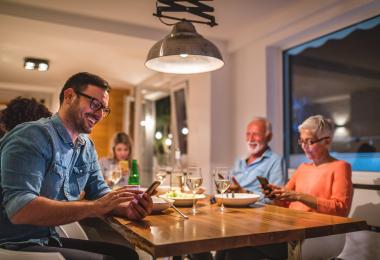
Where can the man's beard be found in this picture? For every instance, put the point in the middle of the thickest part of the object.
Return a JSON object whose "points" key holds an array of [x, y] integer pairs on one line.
{"points": [[77, 122], [258, 147]]}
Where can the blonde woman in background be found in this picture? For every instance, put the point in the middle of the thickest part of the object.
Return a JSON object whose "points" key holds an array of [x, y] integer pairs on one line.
{"points": [[121, 150]]}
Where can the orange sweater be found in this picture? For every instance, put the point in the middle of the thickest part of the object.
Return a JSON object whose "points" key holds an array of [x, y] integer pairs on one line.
{"points": [[330, 183]]}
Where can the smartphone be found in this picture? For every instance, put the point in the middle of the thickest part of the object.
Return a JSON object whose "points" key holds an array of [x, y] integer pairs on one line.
{"points": [[152, 187], [264, 183]]}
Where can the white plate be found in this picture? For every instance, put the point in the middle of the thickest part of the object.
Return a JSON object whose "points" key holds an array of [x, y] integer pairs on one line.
{"points": [[184, 202], [239, 200], [160, 204]]}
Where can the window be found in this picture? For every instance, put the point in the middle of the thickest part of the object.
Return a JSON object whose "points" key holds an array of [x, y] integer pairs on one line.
{"points": [[338, 76]]}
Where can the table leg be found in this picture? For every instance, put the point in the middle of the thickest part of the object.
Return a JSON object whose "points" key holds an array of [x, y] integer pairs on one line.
{"points": [[294, 250]]}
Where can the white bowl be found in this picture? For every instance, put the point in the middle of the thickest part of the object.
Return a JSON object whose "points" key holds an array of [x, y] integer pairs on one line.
{"points": [[162, 189], [184, 201], [160, 204], [239, 199]]}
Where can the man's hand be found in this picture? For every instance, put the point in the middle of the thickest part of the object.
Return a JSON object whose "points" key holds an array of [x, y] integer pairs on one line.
{"points": [[112, 199], [235, 186], [137, 209]]}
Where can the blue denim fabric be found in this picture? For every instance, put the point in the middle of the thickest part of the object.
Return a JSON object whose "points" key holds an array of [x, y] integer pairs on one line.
{"points": [[40, 159], [269, 165]]}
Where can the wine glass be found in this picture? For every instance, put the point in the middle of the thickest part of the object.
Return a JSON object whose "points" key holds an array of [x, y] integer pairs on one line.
{"points": [[113, 175], [222, 178], [161, 174], [193, 181]]}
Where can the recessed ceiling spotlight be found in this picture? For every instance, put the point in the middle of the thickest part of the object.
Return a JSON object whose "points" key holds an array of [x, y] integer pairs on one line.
{"points": [[36, 64]]}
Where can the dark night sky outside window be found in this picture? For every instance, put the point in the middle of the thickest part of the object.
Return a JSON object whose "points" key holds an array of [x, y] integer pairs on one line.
{"points": [[338, 76]]}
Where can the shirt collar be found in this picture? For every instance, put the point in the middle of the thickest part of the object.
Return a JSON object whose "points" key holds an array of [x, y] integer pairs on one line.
{"points": [[63, 133], [266, 154]]}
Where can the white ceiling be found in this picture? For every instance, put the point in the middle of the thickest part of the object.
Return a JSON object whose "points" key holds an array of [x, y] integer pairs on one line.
{"points": [[110, 38]]}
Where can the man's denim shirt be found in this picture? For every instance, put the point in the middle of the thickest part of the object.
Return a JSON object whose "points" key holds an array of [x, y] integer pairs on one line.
{"points": [[269, 165], [40, 159]]}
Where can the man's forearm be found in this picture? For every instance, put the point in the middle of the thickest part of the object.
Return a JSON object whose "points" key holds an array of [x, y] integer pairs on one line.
{"points": [[45, 212]]}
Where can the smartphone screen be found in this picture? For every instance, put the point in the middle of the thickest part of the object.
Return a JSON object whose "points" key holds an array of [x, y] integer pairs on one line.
{"points": [[152, 187]]}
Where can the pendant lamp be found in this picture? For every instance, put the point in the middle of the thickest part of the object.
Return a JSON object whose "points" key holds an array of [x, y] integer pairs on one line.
{"points": [[184, 51]]}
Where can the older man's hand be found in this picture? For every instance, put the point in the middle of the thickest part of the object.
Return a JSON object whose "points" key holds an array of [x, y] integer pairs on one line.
{"points": [[235, 187]]}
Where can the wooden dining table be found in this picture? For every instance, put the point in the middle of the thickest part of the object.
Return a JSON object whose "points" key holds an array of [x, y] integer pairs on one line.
{"points": [[169, 234]]}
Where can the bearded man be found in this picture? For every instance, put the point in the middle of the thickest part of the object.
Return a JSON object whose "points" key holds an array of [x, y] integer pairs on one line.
{"points": [[261, 161], [47, 164]]}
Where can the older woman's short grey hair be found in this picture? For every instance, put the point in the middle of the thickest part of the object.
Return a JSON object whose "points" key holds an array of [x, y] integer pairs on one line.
{"points": [[319, 125]]}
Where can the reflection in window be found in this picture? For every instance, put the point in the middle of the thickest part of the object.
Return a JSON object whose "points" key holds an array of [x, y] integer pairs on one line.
{"points": [[337, 76]]}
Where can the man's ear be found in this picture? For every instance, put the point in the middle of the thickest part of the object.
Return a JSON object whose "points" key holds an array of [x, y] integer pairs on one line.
{"points": [[68, 95], [269, 137]]}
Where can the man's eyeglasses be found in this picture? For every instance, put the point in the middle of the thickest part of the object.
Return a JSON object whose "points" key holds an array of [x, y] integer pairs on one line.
{"points": [[95, 104], [310, 142]]}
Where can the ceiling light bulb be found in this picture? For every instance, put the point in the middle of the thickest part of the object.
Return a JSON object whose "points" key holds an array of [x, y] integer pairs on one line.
{"points": [[184, 55], [29, 65], [43, 67]]}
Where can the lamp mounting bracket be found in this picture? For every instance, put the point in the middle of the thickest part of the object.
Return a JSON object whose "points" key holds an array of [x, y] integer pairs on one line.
{"points": [[198, 9]]}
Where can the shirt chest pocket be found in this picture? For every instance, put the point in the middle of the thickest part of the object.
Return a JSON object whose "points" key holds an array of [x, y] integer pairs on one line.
{"points": [[53, 181], [79, 178]]}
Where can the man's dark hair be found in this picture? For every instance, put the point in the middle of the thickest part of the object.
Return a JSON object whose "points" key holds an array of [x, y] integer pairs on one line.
{"points": [[80, 81], [20, 110]]}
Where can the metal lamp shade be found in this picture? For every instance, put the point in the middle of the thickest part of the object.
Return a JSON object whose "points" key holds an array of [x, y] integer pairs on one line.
{"points": [[184, 51]]}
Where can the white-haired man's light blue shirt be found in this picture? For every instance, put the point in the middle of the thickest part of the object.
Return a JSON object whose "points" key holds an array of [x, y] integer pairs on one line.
{"points": [[270, 165]]}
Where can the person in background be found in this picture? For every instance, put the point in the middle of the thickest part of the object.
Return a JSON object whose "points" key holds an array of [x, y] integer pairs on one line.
{"points": [[44, 167], [261, 161], [121, 150], [20, 110], [323, 185]]}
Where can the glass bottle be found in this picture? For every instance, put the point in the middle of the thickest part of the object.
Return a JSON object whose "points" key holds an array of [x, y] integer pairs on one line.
{"points": [[178, 176], [134, 177]]}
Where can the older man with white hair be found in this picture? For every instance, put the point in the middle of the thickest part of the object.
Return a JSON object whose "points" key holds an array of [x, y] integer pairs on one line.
{"points": [[261, 161]]}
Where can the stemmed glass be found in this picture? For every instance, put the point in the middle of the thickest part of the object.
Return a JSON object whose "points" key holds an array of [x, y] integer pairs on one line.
{"points": [[222, 178], [161, 174], [193, 181], [113, 175]]}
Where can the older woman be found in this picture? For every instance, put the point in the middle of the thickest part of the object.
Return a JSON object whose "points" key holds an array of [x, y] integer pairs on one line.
{"points": [[323, 185]]}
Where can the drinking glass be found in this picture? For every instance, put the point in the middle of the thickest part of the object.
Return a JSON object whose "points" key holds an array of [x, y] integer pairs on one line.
{"points": [[113, 175], [193, 181], [161, 174], [222, 178]]}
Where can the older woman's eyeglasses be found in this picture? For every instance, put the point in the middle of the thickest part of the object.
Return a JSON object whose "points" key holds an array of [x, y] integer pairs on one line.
{"points": [[310, 142], [95, 104]]}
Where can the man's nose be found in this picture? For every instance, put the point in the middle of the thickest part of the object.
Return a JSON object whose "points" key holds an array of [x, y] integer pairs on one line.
{"points": [[250, 137]]}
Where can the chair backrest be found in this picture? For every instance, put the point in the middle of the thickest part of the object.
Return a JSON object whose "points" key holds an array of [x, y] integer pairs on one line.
{"points": [[20, 255], [364, 244], [72, 230]]}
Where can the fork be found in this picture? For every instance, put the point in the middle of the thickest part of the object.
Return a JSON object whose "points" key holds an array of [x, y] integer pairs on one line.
{"points": [[176, 209]]}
